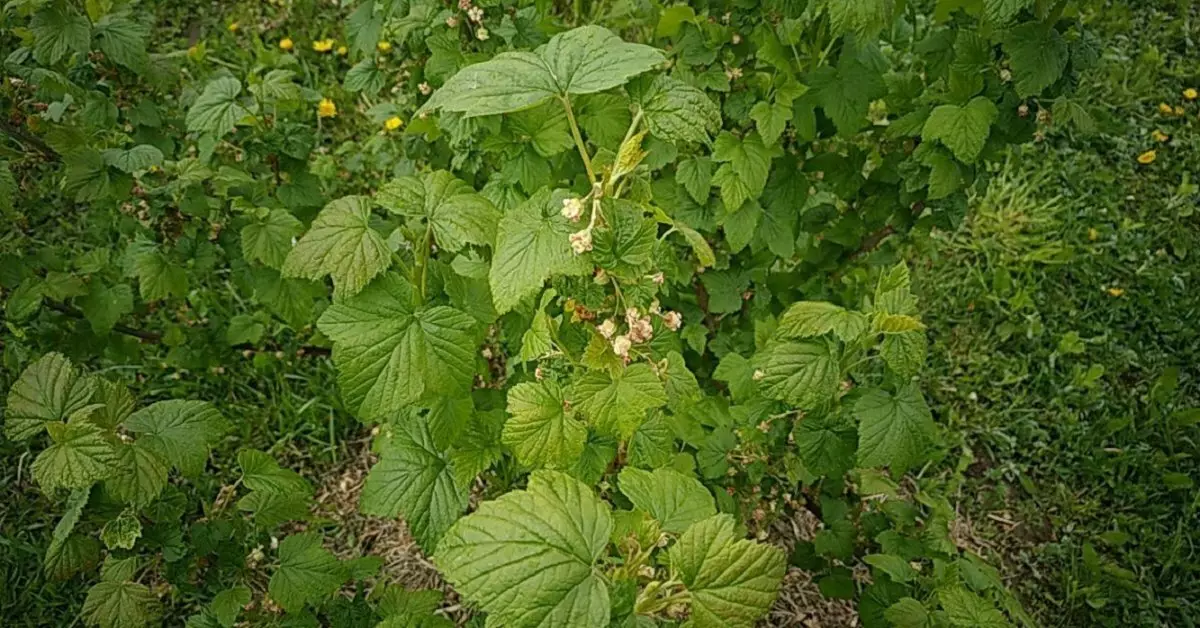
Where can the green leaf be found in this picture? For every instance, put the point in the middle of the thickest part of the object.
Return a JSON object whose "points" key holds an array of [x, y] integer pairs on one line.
{"points": [[80, 456], [826, 444], [62, 557], [159, 277], [541, 431], [804, 374], [74, 554], [532, 244], [964, 130], [86, 176], [8, 188], [414, 479], [964, 608], [583, 60], [864, 18], [908, 613], [806, 319], [945, 176], [228, 604], [390, 354], [365, 77], [269, 238], [677, 112], [140, 475], [770, 119], [845, 93], [617, 403], [120, 605], [276, 87], [732, 581], [139, 157], [179, 431], [457, 215], [261, 472], [894, 430], [49, 390], [307, 572], [123, 40], [57, 33], [121, 532], [104, 305], [217, 111], [530, 558], [894, 566], [341, 244], [1003, 11], [675, 500], [1038, 55], [695, 174], [748, 164], [626, 247]]}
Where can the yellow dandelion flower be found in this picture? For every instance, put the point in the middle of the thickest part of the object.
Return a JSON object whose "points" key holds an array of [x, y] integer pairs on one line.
{"points": [[326, 109], [384, 46], [1093, 235], [1191, 93], [1147, 157], [342, 51], [1179, 110], [393, 123], [322, 45], [233, 27], [1159, 136], [1115, 292], [286, 43], [1165, 109]]}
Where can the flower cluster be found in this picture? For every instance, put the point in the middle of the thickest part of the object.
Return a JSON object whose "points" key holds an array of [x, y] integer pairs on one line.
{"points": [[641, 329]]}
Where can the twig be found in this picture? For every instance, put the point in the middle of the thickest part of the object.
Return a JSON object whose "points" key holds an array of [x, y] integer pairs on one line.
{"points": [[21, 136]]}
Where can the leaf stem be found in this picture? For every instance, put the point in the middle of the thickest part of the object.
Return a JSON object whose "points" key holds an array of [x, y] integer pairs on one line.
{"points": [[422, 260], [583, 153]]}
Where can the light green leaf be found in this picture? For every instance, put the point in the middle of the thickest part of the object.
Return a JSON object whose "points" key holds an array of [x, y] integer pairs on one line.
{"points": [[674, 500], [530, 558], [945, 176], [964, 608], [806, 319], [617, 403], [583, 60], [904, 353], [457, 215], [159, 277], [1038, 56], [390, 354], [112, 604], [626, 247], [414, 479], [49, 390], [122, 531], [804, 374], [749, 163], [894, 566], [677, 112], [57, 33], [307, 572], [770, 119], [341, 244], [217, 111], [732, 581], [964, 130], [365, 77], [864, 18], [139, 157], [894, 430], [532, 244], [541, 431], [140, 475], [261, 472], [907, 613], [80, 456], [276, 87], [269, 238], [179, 431], [695, 174]]}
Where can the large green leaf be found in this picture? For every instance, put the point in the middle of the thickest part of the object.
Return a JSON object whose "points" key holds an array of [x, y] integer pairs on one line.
{"points": [[583, 60], [532, 244], [268, 239], [530, 558], [343, 245], [675, 500], [140, 476], [732, 581], [48, 390], [133, 159], [864, 18], [745, 165], [816, 318], [390, 353], [179, 431], [964, 130], [111, 604], [675, 111], [457, 215], [414, 479], [307, 572], [804, 374], [1039, 55], [57, 32], [894, 430], [541, 431], [217, 110], [123, 40], [616, 403], [80, 455], [826, 444], [964, 608]]}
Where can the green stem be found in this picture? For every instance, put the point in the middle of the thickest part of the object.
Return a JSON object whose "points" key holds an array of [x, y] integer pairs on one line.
{"points": [[422, 259], [587, 161]]}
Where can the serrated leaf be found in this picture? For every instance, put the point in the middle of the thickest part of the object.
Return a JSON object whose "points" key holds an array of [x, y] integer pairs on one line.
{"points": [[616, 404], [530, 558], [80, 456], [907, 613], [770, 119], [261, 472], [456, 213], [74, 554], [158, 276], [964, 130], [700, 246], [277, 86], [816, 318], [826, 444], [48, 390], [674, 500], [747, 165], [140, 475], [123, 39], [307, 572], [139, 157], [365, 77], [121, 532], [104, 305], [217, 110], [677, 112], [532, 244], [804, 374], [342, 244], [626, 247], [57, 33], [904, 353], [583, 60], [120, 605], [844, 93], [179, 431], [1003, 11], [964, 608], [540, 431], [732, 581], [1038, 55], [896, 430], [415, 480], [269, 238], [695, 174], [390, 354]]}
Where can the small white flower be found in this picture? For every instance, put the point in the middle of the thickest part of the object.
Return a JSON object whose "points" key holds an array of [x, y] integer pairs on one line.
{"points": [[658, 278], [673, 320], [538, 374], [758, 375], [425, 89], [475, 14], [607, 329], [1006, 75], [572, 209], [452, 21], [641, 331], [481, 34], [581, 241], [1023, 111], [736, 39], [621, 345], [655, 307], [631, 316]]}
